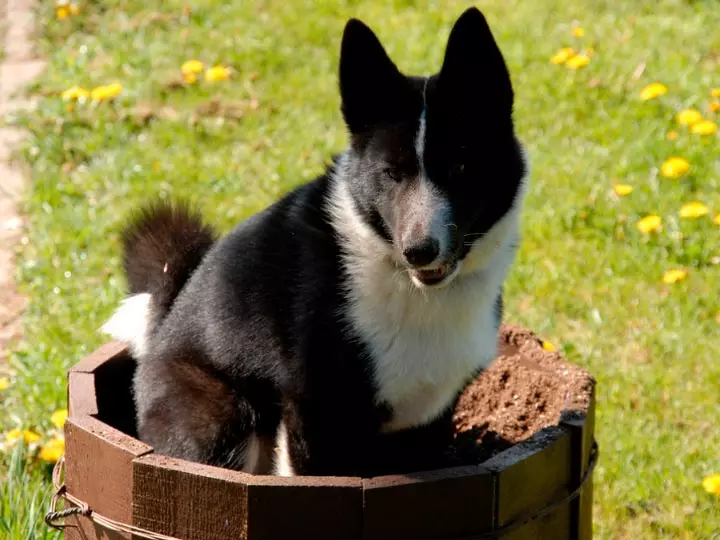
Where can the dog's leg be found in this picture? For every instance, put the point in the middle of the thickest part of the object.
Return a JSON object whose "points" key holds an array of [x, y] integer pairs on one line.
{"points": [[190, 412]]}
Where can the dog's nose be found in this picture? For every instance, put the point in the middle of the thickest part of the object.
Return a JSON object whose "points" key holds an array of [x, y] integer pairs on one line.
{"points": [[422, 253]]}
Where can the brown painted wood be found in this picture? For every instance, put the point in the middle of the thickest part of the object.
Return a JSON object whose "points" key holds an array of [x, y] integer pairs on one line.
{"points": [[188, 500], [312, 508], [530, 475], [81, 394], [581, 426], [98, 470], [102, 354], [448, 503]]}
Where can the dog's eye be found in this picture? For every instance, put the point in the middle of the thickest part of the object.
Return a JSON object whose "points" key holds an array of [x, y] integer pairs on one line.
{"points": [[394, 174], [458, 169]]}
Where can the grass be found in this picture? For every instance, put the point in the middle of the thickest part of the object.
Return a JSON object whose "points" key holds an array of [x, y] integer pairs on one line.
{"points": [[586, 279]]}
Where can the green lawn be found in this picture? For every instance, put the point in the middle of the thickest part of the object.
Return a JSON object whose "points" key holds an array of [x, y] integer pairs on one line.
{"points": [[586, 278]]}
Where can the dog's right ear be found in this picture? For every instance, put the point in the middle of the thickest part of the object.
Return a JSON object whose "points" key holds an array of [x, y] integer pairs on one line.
{"points": [[371, 86]]}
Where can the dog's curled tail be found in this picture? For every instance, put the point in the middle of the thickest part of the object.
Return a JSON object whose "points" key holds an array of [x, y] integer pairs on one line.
{"points": [[163, 245]]}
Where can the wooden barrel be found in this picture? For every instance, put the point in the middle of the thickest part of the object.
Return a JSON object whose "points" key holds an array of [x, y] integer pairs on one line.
{"points": [[540, 487]]}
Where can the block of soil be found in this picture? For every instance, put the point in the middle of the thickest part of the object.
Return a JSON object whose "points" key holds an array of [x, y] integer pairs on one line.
{"points": [[526, 389]]}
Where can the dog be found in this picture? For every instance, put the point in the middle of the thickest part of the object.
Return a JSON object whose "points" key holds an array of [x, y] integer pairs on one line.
{"points": [[332, 333]]}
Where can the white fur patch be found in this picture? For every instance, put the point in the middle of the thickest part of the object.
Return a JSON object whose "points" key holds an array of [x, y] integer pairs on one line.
{"points": [[425, 343], [283, 465], [130, 322]]}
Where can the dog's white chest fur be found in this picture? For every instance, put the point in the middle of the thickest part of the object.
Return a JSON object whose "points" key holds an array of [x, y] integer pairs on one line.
{"points": [[425, 344]]}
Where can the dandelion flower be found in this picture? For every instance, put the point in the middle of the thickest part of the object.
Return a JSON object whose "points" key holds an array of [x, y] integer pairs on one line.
{"points": [[706, 127], [711, 484], [578, 61], [578, 32], [62, 13], [714, 106], [562, 55], [58, 418], [715, 92], [650, 224], [673, 276], [75, 92], [672, 135], [652, 91], [675, 167], [52, 450], [694, 210], [189, 77], [688, 117], [13, 435], [192, 66], [105, 92], [622, 189], [548, 346], [217, 73], [716, 220], [4, 383]]}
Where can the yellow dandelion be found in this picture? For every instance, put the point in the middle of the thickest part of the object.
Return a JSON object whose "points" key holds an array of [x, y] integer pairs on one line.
{"points": [[4, 383], [715, 92], [189, 77], [62, 13], [714, 106], [673, 276], [650, 224], [706, 127], [58, 418], [13, 435], [75, 92], [622, 189], [217, 73], [652, 91], [562, 55], [30, 436], [105, 92], [548, 346], [578, 61], [675, 167], [716, 220], [672, 135], [694, 210], [578, 32], [52, 450], [711, 484], [688, 117], [192, 66]]}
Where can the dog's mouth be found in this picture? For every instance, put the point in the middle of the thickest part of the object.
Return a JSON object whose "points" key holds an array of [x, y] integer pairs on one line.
{"points": [[433, 277]]}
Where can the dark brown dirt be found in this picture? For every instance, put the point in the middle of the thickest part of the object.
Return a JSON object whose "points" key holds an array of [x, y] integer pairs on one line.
{"points": [[525, 390]]}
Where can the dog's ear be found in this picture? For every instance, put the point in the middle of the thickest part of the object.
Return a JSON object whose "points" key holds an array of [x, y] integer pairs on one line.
{"points": [[474, 73], [372, 89]]}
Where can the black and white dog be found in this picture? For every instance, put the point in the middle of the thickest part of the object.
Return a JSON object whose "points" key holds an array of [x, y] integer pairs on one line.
{"points": [[331, 333]]}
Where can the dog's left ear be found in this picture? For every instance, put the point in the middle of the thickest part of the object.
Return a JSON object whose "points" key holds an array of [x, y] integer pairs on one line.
{"points": [[373, 90], [474, 70]]}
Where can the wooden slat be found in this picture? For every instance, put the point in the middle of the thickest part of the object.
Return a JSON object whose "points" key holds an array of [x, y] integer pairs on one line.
{"points": [[581, 427], [528, 476], [81, 394], [447, 503], [189, 500], [102, 354], [98, 471], [328, 508]]}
